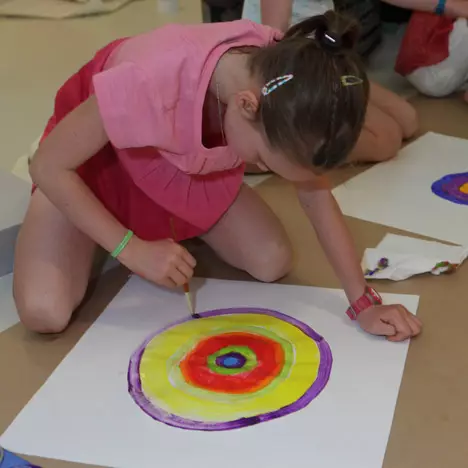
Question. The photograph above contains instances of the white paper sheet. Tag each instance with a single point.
(84, 414)
(398, 193)
(8, 313)
(422, 248)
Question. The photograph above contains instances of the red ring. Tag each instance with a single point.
(270, 361)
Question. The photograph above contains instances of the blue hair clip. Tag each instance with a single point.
(275, 83)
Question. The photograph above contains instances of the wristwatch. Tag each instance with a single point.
(370, 298)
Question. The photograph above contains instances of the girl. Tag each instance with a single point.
(156, 129)
(434, 53)
(390, 119)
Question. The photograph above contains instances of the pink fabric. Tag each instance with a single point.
(154, 87)
(151, 94)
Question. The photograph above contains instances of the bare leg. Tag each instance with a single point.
(53, 262)
(395, 107)
(389, 121)
(250, 237)
(380, 139)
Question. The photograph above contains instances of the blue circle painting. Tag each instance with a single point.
(452, 187)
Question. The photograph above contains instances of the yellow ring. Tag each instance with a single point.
(164, 352)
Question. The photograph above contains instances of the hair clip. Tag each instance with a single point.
(351, 80)
(275, 83)
(329, 38)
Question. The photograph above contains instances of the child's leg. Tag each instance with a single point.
(250, 237)
(53, 262)
(397, 108)
(380, 139)
(390, 119)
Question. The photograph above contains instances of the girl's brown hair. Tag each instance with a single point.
(317, 116)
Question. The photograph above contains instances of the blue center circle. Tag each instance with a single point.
(231, 361)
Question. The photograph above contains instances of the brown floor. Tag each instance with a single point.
(430, 426)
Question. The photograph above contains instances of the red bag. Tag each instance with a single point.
(426, 42)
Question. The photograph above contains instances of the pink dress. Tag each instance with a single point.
(151, 90)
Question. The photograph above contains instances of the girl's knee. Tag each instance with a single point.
(385, 105)
(44, 314)
(378, 144)
(409, 120)
(273, 263)
(388, 143)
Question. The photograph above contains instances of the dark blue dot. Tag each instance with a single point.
(231, 360)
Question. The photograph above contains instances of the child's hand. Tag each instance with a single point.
(162, 262)
(392, 321)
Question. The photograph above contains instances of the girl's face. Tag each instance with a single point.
(245, 137)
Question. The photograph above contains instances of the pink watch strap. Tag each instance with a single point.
(370, 298)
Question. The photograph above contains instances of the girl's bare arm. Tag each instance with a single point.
(455, 8)
(329, 224)
(276, 13)
(73, 141)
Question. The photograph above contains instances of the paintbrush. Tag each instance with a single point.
(188, 295)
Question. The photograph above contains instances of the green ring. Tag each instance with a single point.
(176, 378)
(250, 364)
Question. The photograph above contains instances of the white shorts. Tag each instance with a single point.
(451, 74)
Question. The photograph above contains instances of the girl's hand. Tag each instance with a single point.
(393, 321)
(162, 262)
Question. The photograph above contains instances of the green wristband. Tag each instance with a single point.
(122, 245)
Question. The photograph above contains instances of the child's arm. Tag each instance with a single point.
(333, 235)
(77, 138)
(453, 8)
(276, 13)
(323, 212)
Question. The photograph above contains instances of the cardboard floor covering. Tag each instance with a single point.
(429, 428)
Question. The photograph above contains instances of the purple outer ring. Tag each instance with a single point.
(136, 392)
(448, 188)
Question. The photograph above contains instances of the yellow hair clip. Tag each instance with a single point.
(351, 80)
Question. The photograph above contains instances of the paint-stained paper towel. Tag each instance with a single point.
(408, 256)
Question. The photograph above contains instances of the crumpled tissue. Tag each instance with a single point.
(400, 257)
